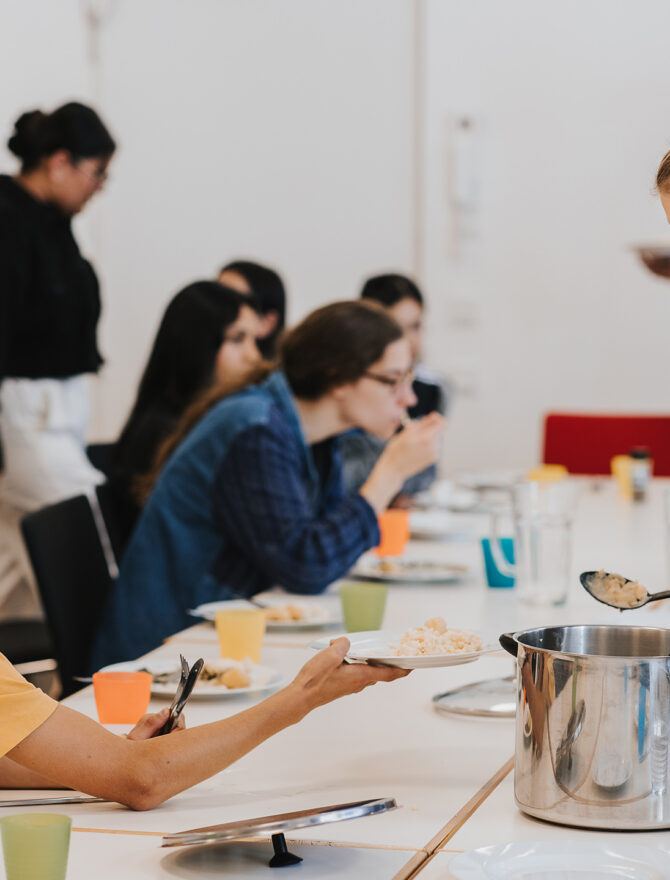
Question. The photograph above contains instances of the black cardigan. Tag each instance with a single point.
(49, 294)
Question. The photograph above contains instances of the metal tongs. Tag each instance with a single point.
(184, 688)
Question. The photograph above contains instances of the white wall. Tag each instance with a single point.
(43, 60)
(284, 130)
(546, 308)
(275, 131)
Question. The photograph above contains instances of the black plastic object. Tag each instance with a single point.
(282, 857)
(22, 641)
(73, 579)
(509, 643)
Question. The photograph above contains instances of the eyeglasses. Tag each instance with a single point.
(98, 175)
(395, 383)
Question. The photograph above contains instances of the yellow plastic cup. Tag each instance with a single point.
(548, 473)
(121, 697)
(394, 531)
(36, 845)
(240, 632)
(621, 471)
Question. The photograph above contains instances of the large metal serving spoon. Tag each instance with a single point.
(587, 578)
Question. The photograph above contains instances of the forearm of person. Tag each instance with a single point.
(380, 488)
(407, 453)
(13, 775)
(74, 751)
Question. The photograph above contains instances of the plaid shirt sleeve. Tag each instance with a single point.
(261, 503)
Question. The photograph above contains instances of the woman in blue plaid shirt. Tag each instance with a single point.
(251, 495)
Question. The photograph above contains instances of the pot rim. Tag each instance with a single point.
(555, 652)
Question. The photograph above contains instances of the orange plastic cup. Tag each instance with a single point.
(394, 529)
(121, 697)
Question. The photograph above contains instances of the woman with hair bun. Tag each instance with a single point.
(49, 310)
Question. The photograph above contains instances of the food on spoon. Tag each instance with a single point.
(435, 638)
(293, 611)
(616, 590)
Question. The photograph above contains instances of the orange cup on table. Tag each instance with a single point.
(121, 697)
(240, 632)
(394, 530)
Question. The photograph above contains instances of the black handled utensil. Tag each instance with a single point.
(184, 689)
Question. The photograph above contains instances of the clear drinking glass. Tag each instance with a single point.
(543, 514)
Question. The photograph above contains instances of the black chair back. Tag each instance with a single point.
(22, 641)
(73, 579)
(101, 456)
(119, 515)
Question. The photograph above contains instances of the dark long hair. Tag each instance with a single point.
(181, 363)
(332, 346)
(390, 289)
(268, 288)
(73, 127)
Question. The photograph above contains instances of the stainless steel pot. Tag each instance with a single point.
(592, 725)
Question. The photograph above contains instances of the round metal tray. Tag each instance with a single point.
(493, 698)
(271, 825)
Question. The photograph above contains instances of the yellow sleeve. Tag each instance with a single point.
(22, 707)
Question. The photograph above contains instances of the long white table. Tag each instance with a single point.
(450, 776)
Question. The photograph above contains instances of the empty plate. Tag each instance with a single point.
(562, 860)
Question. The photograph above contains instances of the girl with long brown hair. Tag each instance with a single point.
(253, 495)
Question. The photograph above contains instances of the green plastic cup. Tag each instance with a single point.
(363, 606)
(36, 845)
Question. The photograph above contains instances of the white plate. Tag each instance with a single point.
(445, 495)
(373, 647)
(492, 479)
(562, 860)
(420, 571)
(262, 678)
(430, 524)
(321, 618)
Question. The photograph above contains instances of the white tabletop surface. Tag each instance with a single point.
(388, 741)
(98, 856)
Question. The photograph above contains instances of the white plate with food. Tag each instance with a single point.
(562, 860)
(403, 570)
(281, 614)
(421, 647)
(219, 677)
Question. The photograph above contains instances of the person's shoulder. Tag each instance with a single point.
(16, 217)
(252, 405)
(13, 200)
(10, 209)
(251, 408)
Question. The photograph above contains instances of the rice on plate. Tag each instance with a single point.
(435, 638)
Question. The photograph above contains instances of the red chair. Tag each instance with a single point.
(585, 443)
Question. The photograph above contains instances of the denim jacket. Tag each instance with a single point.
(242, 505)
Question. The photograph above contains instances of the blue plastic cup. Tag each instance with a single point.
(494, 578)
